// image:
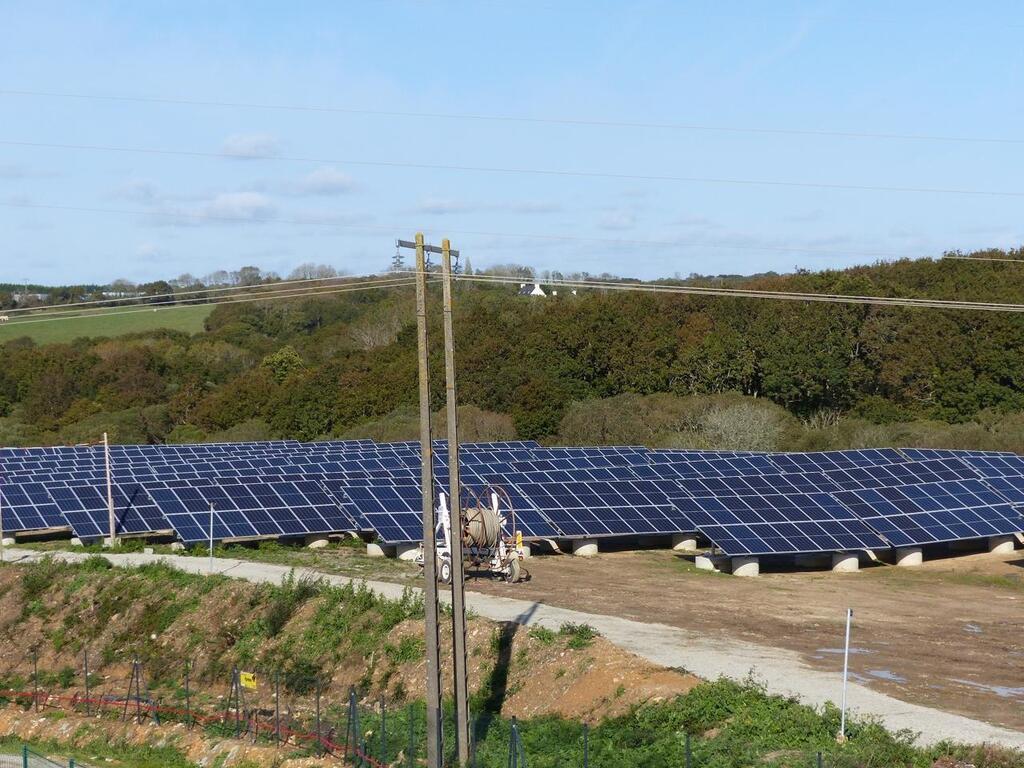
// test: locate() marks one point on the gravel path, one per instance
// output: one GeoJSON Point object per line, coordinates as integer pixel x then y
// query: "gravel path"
{"type": "Point", "coordinates": [783, 672]}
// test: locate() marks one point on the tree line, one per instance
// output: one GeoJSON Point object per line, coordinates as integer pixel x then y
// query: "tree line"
{"type": "Point", "coordinates": [338, 365]}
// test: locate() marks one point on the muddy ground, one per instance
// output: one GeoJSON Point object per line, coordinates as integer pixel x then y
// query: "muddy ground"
{"type": "Point", "coordinates": [947, 634]}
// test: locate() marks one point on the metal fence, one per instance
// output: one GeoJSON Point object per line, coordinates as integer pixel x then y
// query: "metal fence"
{"type": "Point", "coordinates": [29, 759]}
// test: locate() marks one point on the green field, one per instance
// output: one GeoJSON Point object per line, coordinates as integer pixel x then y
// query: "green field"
{"type": "Point", "coordinates": [114, 323]}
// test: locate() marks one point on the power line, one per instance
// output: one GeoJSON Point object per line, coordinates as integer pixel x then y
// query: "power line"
{"type": "Point", "coordinates": [289, 294]}
{"type": "Point", "coordinates": [758, 294]}
{"type": "Point", "coordinates": [462, 232]}
{"type": "Point", "coordinates": [202, 292]}
{"type": "Point", "coordinates": [981, 258]}
{"type": "Point", "coordinates": [550, 172]}
{"type": "Point", "coordinates": [521, 119]}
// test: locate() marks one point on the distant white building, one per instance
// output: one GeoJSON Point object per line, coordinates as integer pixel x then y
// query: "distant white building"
{"type": "Point", "coordinates": [531, 290]}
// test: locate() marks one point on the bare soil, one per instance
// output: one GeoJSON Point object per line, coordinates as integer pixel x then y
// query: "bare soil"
{"type": "Point", "coordinates": [947, 634]}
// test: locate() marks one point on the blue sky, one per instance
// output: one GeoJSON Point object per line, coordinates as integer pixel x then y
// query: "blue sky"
{"type": "Point", "coordinates": [951, 69]}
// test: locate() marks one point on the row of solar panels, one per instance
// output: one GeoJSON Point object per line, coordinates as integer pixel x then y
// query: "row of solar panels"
{"type": "Point", "coordinates": [746, 503]}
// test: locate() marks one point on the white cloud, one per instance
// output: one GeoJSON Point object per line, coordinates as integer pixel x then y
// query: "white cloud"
{"type": "Point", "coordinates": [324, 181]}
{"type": "Point", "coordinates": [617, 220]}
{"type": "Point", "coordinates": [138, 191]}
{"type": "Point", "coordinates": [13, 171]}
{"type": "Point", "coordinates": [443, 206]}
{"type": "Point", "coordinates": [225, 208]}
{"type": "Point", "coordinates": [241, 206]}
{"type": "Point", "coordinates": [250, 146]}
{"type": "Point", "coordinates": [150, 252]}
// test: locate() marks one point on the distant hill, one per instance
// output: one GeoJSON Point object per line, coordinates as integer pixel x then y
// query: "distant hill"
{"type": "Point", "coordinates": [345, 364]}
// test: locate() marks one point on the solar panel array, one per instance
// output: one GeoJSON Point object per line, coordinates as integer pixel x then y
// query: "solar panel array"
{"type": "Point", "coordinates": [745, 503]}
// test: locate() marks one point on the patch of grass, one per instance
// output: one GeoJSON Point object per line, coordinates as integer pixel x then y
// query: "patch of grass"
{"type": "Point", "coordinates": [409, 649]}
{"type": "Point", "coordinates": [189, 319]}
{"type": "Point", "coordinates": [543, 635]}
{"type": "Point", "coordinates": [580, 635]}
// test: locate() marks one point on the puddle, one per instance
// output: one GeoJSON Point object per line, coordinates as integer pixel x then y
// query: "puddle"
{"type": "Point", "coordinates": [857, 678]}
{"type": "Point", "coordinates": [1002, 691]}
{"type": "Point", "coordinates": [974, 629]}
{"type": "Point", "coordinates": [885, 674]}
{"type": "Point", "coordinates": [853, 651]}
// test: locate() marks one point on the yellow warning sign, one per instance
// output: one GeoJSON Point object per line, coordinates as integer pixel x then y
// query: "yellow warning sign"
{"type": "Point", "coordinates": [247, 680]}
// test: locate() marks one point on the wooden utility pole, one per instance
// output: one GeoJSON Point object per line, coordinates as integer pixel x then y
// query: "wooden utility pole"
{"type": "Point", "coordinates": [435, 749]}
{"type": "Point", "coordinates": [455, 508]}
{"type": "Point", "coordinates": [2, 548]}
{"type": "Point", "coordinates": [110, 492]}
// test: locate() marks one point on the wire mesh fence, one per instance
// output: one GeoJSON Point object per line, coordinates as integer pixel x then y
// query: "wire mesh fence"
{"type": "Point", "coordinates": [27, 758]}
{"type": "Point", "coordinates": [303, 713]}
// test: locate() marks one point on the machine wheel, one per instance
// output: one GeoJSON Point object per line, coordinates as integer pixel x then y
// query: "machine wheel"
{"type": "Point", "coordinates": [445, 572]}
{"type": "Point", "coordinates": [513, 571]}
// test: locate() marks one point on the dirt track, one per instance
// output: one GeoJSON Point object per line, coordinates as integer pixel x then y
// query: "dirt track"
{"type": "Point", "coordinates": [947, 635]}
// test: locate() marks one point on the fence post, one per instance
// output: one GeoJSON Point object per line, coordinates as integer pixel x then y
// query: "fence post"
{"type": "Point", "coordinates": [383, 733]}
{"type": "Point", "coordinates": [689, 753]}
{"type": "Point", "coordinates": [236, 683]}
{"type": "Point", "coordinates": [71, 762]}
{"type": "Point", "coordinates": [412, 736]}
{"type": "Point", "coordinates": [24, 756]}
{"type": "Point", "coordinates": [188, 699]}
{"type": "Point", "coordinates": [319, 740]}
{"type": "Point", "coordinates": [138, 693]}
{"type": "Point", "coordinates": [88, 704]}
{"type": "Point", "coordinates": [821, 761]}
{"type": "Point", "coordinates": [277, 706]}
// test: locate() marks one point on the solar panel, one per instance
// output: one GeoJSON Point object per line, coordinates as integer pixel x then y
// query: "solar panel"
{"type": "Point", "coordinates": [248, 510]}
{"type": "Point", "coordinates": [28, 507]}
{"type": "Point", "coordinates": [778, 524]}
{"type": "Point", "coordinates": [85, 509]}
{"type": "Point", "coordinates": [934, 512]}
{"type": "Point", "coordinates": [602, 508]}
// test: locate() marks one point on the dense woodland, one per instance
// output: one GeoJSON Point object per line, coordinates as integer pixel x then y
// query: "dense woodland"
{"type": "Point", "coordinates": [596, 367]}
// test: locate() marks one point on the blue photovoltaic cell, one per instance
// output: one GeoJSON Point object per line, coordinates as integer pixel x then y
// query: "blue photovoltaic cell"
{"type": "Point", "coordinates": [996, 466]}
{"type": "Point", "coordinates": [249, 510]}
{"type": "Point", "coordinates": [85, 509]}
{"type": "Point", "coordinates": [934, 512]}
{"type": "Point", "coordinates": [778, 524]}
{"type": "Point", "coordinates": [29, 507]}
{"type": "Point", "coordinates": [602, 508]}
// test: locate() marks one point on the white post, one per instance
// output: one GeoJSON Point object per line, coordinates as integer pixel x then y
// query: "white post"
{"type": "Point", "coordinates": [841, 737]}
{"type": "Point", "coordinates": [211, 539]}
{"type": "Point", "coordinates": [110, 492]}
{"type": "Point", "coordinates": [1, 528]}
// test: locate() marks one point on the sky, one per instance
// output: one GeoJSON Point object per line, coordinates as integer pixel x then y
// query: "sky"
{"type": "Point", "coordinates": [726, 93]}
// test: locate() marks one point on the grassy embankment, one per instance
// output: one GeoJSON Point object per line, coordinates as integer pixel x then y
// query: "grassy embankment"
{"type": "Point", "coordinates": [347, 635]}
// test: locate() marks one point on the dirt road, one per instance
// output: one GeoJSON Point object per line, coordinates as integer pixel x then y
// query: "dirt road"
{"type": "Point", "coordinates": [946, 635]}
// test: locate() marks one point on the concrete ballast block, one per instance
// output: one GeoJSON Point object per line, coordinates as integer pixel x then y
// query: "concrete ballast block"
{"type": "Point", "coordinates": [746, 566]}
{"type": "Point", "coordinates": [909, 556]}
{"type": "Point", "coordinates": [407, 551]}
{"type": "Point", "coordinates": [584, 547]}
{"type": "Point", "coordinates": [845, 562]}
{"type": "Point", "coordinates": [1001, 545]}
{"type": "Point", "coordinates": [704, 563]}
{"type": "Point", "coordinates": [684, 542]}
{"type": "Point", "coordinates": [373, 549]}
